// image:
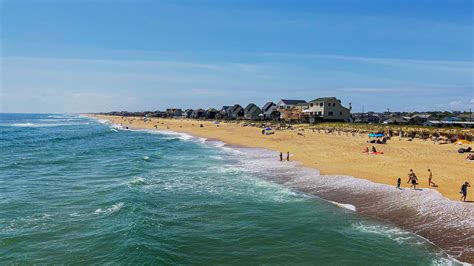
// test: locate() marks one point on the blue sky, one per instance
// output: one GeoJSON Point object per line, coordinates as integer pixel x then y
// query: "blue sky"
{"type": "Point", "coordinates": [89, 56]}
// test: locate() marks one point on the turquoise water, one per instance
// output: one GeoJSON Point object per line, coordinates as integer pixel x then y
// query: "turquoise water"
{"type": "Point", "coordinates": [74, 191]}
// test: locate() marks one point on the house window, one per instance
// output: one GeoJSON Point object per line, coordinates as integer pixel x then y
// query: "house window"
{"type": "Point", "coordinates": [319, 113]}
{"type": "Point", "coordinates": [321, 104]}
{"type": "Point", "coordinates": [288, 107]}
{"type": "Point", "coordinates": [311, 105]}
{"type": "Point", "coordinates": [330, 113]}
{"type": "Point", "coordinates": [340, 113]}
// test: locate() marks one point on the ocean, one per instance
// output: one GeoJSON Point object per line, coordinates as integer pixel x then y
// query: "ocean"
{"type": "Point", "coordinates": [73, 190]}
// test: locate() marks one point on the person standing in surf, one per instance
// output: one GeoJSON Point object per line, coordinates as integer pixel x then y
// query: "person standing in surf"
{"type": "Point", "coordinates": [281, 156]}
{"type": "Point", "coordinates": [399, 181]}
{"type": "Point", "coordinates": [288, 156]}
{"type": "Point", "coordinates": [464, 190]}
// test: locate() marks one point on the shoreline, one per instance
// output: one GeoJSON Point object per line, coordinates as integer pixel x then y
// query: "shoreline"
{"type": "Point", "coordinates": [443, 232]}
{"type": "Point", "coordinates": [337, 155]}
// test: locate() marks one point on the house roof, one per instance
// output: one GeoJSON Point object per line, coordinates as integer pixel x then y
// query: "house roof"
{"type": "Point", "coordinates": [323, 99]}
{"type": "Point", "coordinates": [249, 107]}
{"type": "Point", "coordinates": [302, 104]}
{"type": "Point", "coordinates": [235, 108]}
{"type": "Point", "coordinates": [212, 110]}
{"type": "Point", "coordinates": [267, 106]}
{"type": "Point", "coordinates": [252, 108]}
{"type": "Point", "coordinates": [292, 102]}
{"type": "Point", "coordinates": [422, 116]}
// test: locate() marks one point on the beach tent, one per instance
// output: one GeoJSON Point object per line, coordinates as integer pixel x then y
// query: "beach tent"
{"type": "Point", "coordinates": [216, 122]}
{"type": "Point", "coordinates": [268, 128]}
{"type": "Point", "coordinates": [376, 135]}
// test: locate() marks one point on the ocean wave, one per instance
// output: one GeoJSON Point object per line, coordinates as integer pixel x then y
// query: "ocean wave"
{"type": "Point", "coordinates": [345, 206]}
{"type": "Point", "coordinates": [44, 124]}
{"type": "Point", "coordinates": [137, 181]}
{"type": "Point", "coordinates": [114, 208]}
{"type": "Point", "coordinates": [396, 234]}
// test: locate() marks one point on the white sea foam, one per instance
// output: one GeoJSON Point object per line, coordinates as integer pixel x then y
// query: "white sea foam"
{"type": "Point", "coordinates": [394, 233]}
{"type": "Point", "coordinates": [146, 158]}
{"type": "Point", "coordinates": [44, 124]}
{"type": "Point", "coordinates": [172, 134]}
{"type": "Point", "coordinates": [345, 206]}
{"type": "Point", "coordinates": [114, 208]}
{"type": "Point", "coordinates": [137, 181]}
{"type": "Point", "coordinates": [103, 121]}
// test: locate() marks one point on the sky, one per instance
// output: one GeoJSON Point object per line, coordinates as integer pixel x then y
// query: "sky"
{"type": "Point", "coordinates": [71, 56]}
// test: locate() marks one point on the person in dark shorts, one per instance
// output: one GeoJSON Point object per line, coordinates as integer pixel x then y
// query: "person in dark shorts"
{"type": "Point", "coordinates": [464, 190]}
{"type": "Point", "coordinates": [281, 156]}
{"type": "Point", "coordinates": [414, 181]}
{"type": "Point", "coordinates": [288, 156]}
{"type": "Point", "coordinates": [399, 181]}
{"type": "Point", "coordinates": [412, 177]}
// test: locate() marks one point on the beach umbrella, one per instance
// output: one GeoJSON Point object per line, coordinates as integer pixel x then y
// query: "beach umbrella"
{"type": "Point", "coordinates": [268, 128]}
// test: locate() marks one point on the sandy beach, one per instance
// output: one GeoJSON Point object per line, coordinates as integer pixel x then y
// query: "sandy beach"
{"type": "Point", "coordinates": [338, 155]}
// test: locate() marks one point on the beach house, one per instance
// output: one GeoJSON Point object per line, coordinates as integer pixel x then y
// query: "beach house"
{"type": "Point", "coordinates": [287, 104]}
{"type": "Point", "coordinates": [269, 111]}
{"type": "Point", "coordinates": [252, 112]}
{"type": "Point", "coordinates": [188, 113]}
{"type": "Point", "coordinates": [174, 112]}
{"type": "Point", "coordinates": [294, 113]}
{"type": "Point", "coordinates": [328, 109]}
{"type": "Point", "coordinates": [419, 119]}
{"type": "Point", "coordinates": [397, 120]}
{"type": "Point", "coordinates": [236, 112]}
{"type": "Point", "coordinates": [198, 113]}
{"type": "Point", "coordinates": [211, 113]}
{"type": "Point", "coordinates": [224, 112]}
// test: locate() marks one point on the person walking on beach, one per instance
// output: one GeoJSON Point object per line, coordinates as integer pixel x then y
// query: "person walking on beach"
{"type": "Point", "coordinates": [464, 190]}
{"type": "Point", "coordinates": [288, 156]}
{"type": "Point", "coordinates": [399, 181]}
{"type": "Point", "coordinates": [430, 178]}
{"type": "Point", "coordinates": [281, 156]}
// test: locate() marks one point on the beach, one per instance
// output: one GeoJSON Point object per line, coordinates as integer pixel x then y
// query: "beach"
{"type": "Point", "coordinates": [77, 190]}
{"type": "Point", "coordinates": [339, 155]}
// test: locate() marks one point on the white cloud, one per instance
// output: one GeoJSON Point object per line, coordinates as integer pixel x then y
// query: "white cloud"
{"type": "Point", "coordinates": [442, 65]}
{"type": "Point", "coordinates": [373, 90]}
